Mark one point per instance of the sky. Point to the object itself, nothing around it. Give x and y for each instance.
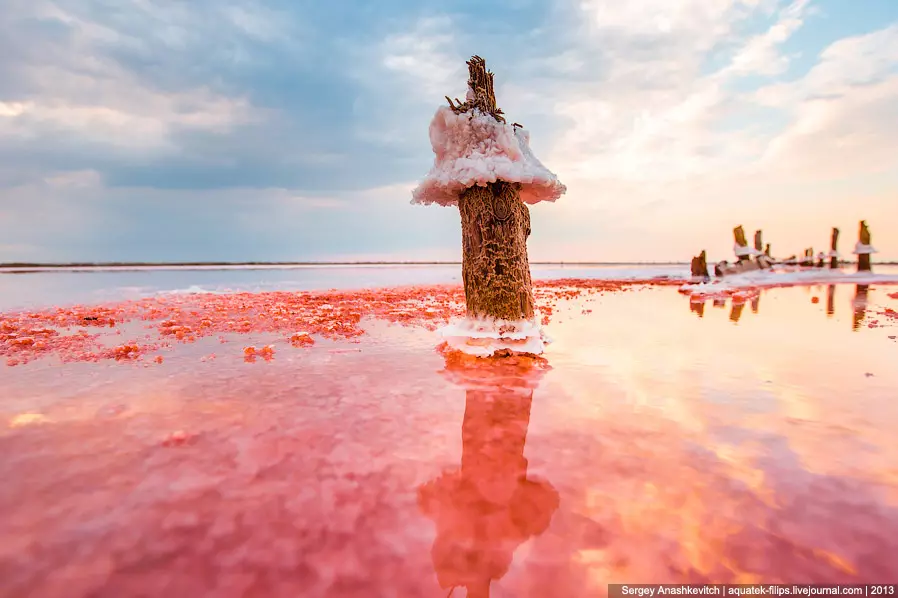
(167, 130)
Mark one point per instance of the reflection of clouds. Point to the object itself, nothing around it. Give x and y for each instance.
(817, 418)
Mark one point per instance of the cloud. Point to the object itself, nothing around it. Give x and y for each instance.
(230, 130)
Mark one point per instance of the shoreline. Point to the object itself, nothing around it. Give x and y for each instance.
(20, 268)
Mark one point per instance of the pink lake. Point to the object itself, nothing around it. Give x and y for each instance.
(146, 451)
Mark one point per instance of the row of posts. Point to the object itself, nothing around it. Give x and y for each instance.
(764, 260)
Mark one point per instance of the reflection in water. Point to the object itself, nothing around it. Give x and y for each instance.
(697, 305)
(755, 303)
(487, 508)
(720, 302)
(860, 305)
(830, 299)
(736, 310)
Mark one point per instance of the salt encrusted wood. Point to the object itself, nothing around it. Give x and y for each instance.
(485, 167)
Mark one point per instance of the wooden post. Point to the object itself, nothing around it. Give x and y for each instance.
(495, 224)
(863, 259)
(834, 241)
(699, 266)
(739, 237)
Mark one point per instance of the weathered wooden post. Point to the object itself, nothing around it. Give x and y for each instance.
(699, 266)
(767, 251)
(808, 260)
(863, 249)
(833, 251)
(762, 258)
(485, 167)
(740, 248)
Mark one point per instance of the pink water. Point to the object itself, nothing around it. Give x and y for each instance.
(661, 439)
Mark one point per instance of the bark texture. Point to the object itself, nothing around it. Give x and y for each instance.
(495, 224)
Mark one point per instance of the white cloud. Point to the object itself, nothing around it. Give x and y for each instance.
(72, 86)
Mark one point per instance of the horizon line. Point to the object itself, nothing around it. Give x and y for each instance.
(144, 264)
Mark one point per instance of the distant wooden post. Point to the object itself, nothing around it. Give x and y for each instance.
(864, 248)
(699, 266)
(758, 246)
(833, 252)
(742, 252)
(767, 251)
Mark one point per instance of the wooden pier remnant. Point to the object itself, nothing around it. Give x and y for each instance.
(833, 250)
(864, 248)
(699, 266)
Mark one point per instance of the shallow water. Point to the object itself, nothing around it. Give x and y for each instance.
(66, 286)
(740, 439)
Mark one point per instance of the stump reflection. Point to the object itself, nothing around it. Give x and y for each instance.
(488, 507)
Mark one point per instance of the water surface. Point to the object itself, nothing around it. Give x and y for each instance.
(664, 439)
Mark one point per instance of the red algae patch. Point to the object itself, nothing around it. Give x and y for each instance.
(82, 333)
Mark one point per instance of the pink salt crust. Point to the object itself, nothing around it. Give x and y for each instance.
(90, 333)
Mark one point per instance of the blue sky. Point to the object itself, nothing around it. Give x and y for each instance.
(237, 130)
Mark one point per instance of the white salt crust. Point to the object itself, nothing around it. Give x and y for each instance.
(483, 337)
(475, 149)
(861, 249)
(745, 251)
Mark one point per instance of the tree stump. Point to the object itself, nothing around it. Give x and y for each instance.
(495, 225)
